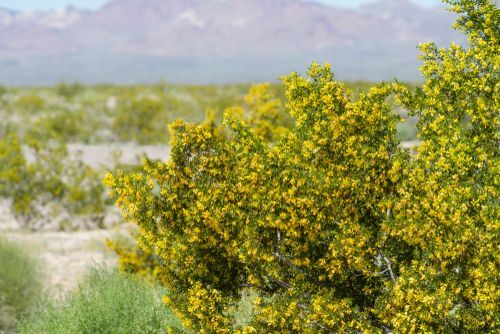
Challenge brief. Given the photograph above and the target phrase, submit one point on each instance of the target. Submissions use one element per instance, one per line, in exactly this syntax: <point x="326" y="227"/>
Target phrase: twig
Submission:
<point x="389" y="267"/>
<point x="279" y="282"/>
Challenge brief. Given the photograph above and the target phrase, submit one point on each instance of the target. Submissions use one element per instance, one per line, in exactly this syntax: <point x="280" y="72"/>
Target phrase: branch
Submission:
<point x="279" y="282"/>
<point x="289" y="263"/>
<point x="389" y="267"/>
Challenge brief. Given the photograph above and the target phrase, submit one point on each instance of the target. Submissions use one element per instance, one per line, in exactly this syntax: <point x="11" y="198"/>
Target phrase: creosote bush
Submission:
<point x="53" y="180"/>
<point x="334" y="226"/>
<point x="142" y="120"/>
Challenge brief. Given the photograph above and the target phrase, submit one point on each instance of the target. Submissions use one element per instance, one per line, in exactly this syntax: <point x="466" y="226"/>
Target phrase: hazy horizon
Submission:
<point x="27" y="5"/>
<point x="217" y="41"/>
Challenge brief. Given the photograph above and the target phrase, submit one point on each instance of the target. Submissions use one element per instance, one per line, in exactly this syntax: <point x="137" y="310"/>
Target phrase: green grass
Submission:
<point x="106" y="302"/>
<point x="20" y="284"/>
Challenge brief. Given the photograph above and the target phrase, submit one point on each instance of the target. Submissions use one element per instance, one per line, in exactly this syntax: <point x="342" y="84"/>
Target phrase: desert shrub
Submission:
<point x="446" y="207"/>
<point x="30" y="103"/>
<point x="137" y="260"/>
<point x="304" y="179"/>
<point x="264" y="112"/>
<point x="334" y="226"/>
<point x="261" y="109"/>
<point x="52" y="184"/>
<point x="68" y="90"/>
<point x="61" y="125"/>
<point x="142" y="119"/>
<point x="12" y="163"/>
<point x="106" y="302"/>
<point x="20" y="283"/>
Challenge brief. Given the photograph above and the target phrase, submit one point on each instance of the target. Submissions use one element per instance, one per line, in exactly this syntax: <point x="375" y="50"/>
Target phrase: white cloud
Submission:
<point x="190" y="17"/>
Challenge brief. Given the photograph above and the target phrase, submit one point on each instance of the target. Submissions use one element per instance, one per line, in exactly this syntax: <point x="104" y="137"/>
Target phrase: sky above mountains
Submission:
<point x="94" y="4"/>
<point x="216" y="41"/>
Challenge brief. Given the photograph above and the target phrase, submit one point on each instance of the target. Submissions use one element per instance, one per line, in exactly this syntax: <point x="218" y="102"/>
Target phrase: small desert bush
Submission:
<point x="19" y="283"/>
<point x="53" y="184"/>
<point x="106" y="302"/>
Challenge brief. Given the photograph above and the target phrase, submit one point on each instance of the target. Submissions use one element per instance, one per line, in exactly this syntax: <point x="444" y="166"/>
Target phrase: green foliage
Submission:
<point x="62" y="125"/>
<point x="107" y="302"/>
<point x="12" y="163"/>
<point x="30" y="103"/>
<point x="68" y="91"/>
<point x="265" y="112"/>
<point x="447" y="203"/>
<point x="103" y="114"/>
<point x="53" y="180"/>
<point x="143" y="120"/>
<point x="20" y="285"/>
<point x="333" y="225"/>
<point x="136" y="260"/>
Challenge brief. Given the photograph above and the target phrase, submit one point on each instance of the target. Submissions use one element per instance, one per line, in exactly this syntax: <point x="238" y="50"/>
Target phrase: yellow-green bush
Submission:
<point x="142" y="120"/>
<point x="333" y="225"/>
<point x="30" y="103"/>
<point x="68" y="91"/>
<point x="446" y="207"/>
<point x="265" y="112"/>
<point x="53" y="178"/>
<point x="12" y="163"/>
<point x="137" y="260"/>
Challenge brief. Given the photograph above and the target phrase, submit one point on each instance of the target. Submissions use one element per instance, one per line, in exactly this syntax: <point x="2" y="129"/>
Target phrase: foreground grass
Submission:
<point x="107" y="302"/>
<point x="20" y="283"/>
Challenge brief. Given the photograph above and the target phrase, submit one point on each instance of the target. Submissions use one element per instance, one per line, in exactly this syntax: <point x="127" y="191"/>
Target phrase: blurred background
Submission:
<point x="214" y="41"/>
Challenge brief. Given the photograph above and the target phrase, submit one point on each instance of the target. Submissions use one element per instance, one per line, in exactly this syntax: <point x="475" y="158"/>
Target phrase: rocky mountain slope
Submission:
<point x="200" y="41"/>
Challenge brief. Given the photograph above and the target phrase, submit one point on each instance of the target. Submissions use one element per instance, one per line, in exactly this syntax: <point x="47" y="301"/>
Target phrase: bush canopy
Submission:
<point x="333" y="225"/>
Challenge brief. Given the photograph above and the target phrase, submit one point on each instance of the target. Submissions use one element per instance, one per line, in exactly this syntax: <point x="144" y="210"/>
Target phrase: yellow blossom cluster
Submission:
<point x="335" y="226"/>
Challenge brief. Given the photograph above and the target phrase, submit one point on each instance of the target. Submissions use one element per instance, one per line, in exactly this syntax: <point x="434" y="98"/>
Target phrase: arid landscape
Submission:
<point x="249" y="166"/>
<point x="213" y="41"/>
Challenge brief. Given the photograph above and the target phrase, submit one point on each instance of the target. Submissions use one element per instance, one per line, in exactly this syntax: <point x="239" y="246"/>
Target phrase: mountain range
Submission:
<point x="216" y="41"/>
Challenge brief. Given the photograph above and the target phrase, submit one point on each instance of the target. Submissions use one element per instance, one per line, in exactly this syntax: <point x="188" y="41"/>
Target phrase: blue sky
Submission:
<point x="91" y="4"/>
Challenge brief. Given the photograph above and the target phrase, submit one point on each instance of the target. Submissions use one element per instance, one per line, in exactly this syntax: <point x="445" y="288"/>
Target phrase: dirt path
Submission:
<point x="66" y="256"/>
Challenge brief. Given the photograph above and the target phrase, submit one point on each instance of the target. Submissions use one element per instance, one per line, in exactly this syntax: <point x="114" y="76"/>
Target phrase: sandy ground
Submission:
<point x="106" y="155"/>
<point x="66" y="256"/>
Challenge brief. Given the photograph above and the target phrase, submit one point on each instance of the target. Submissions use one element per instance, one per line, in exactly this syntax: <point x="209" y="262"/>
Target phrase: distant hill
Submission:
<point x="214" y="41"/>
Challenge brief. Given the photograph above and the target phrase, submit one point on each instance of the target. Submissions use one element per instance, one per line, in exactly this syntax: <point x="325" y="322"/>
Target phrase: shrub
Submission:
<point x="107" y="302"/>
<point x="68" y="90"/>
<point x="62" y="125"/>
<point x="446" y="207"/>
<point x="54" y="180"/>
<point x="334" y="226"/>
<point x="20" y="285"/>
<point x="12" y="163"/>
<point x="30" y="103"/>
<point x="242" y="240"/>
<point x="142" y="120"/>
<point x="265" y="114"/>
<point x="136" y="260"/>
